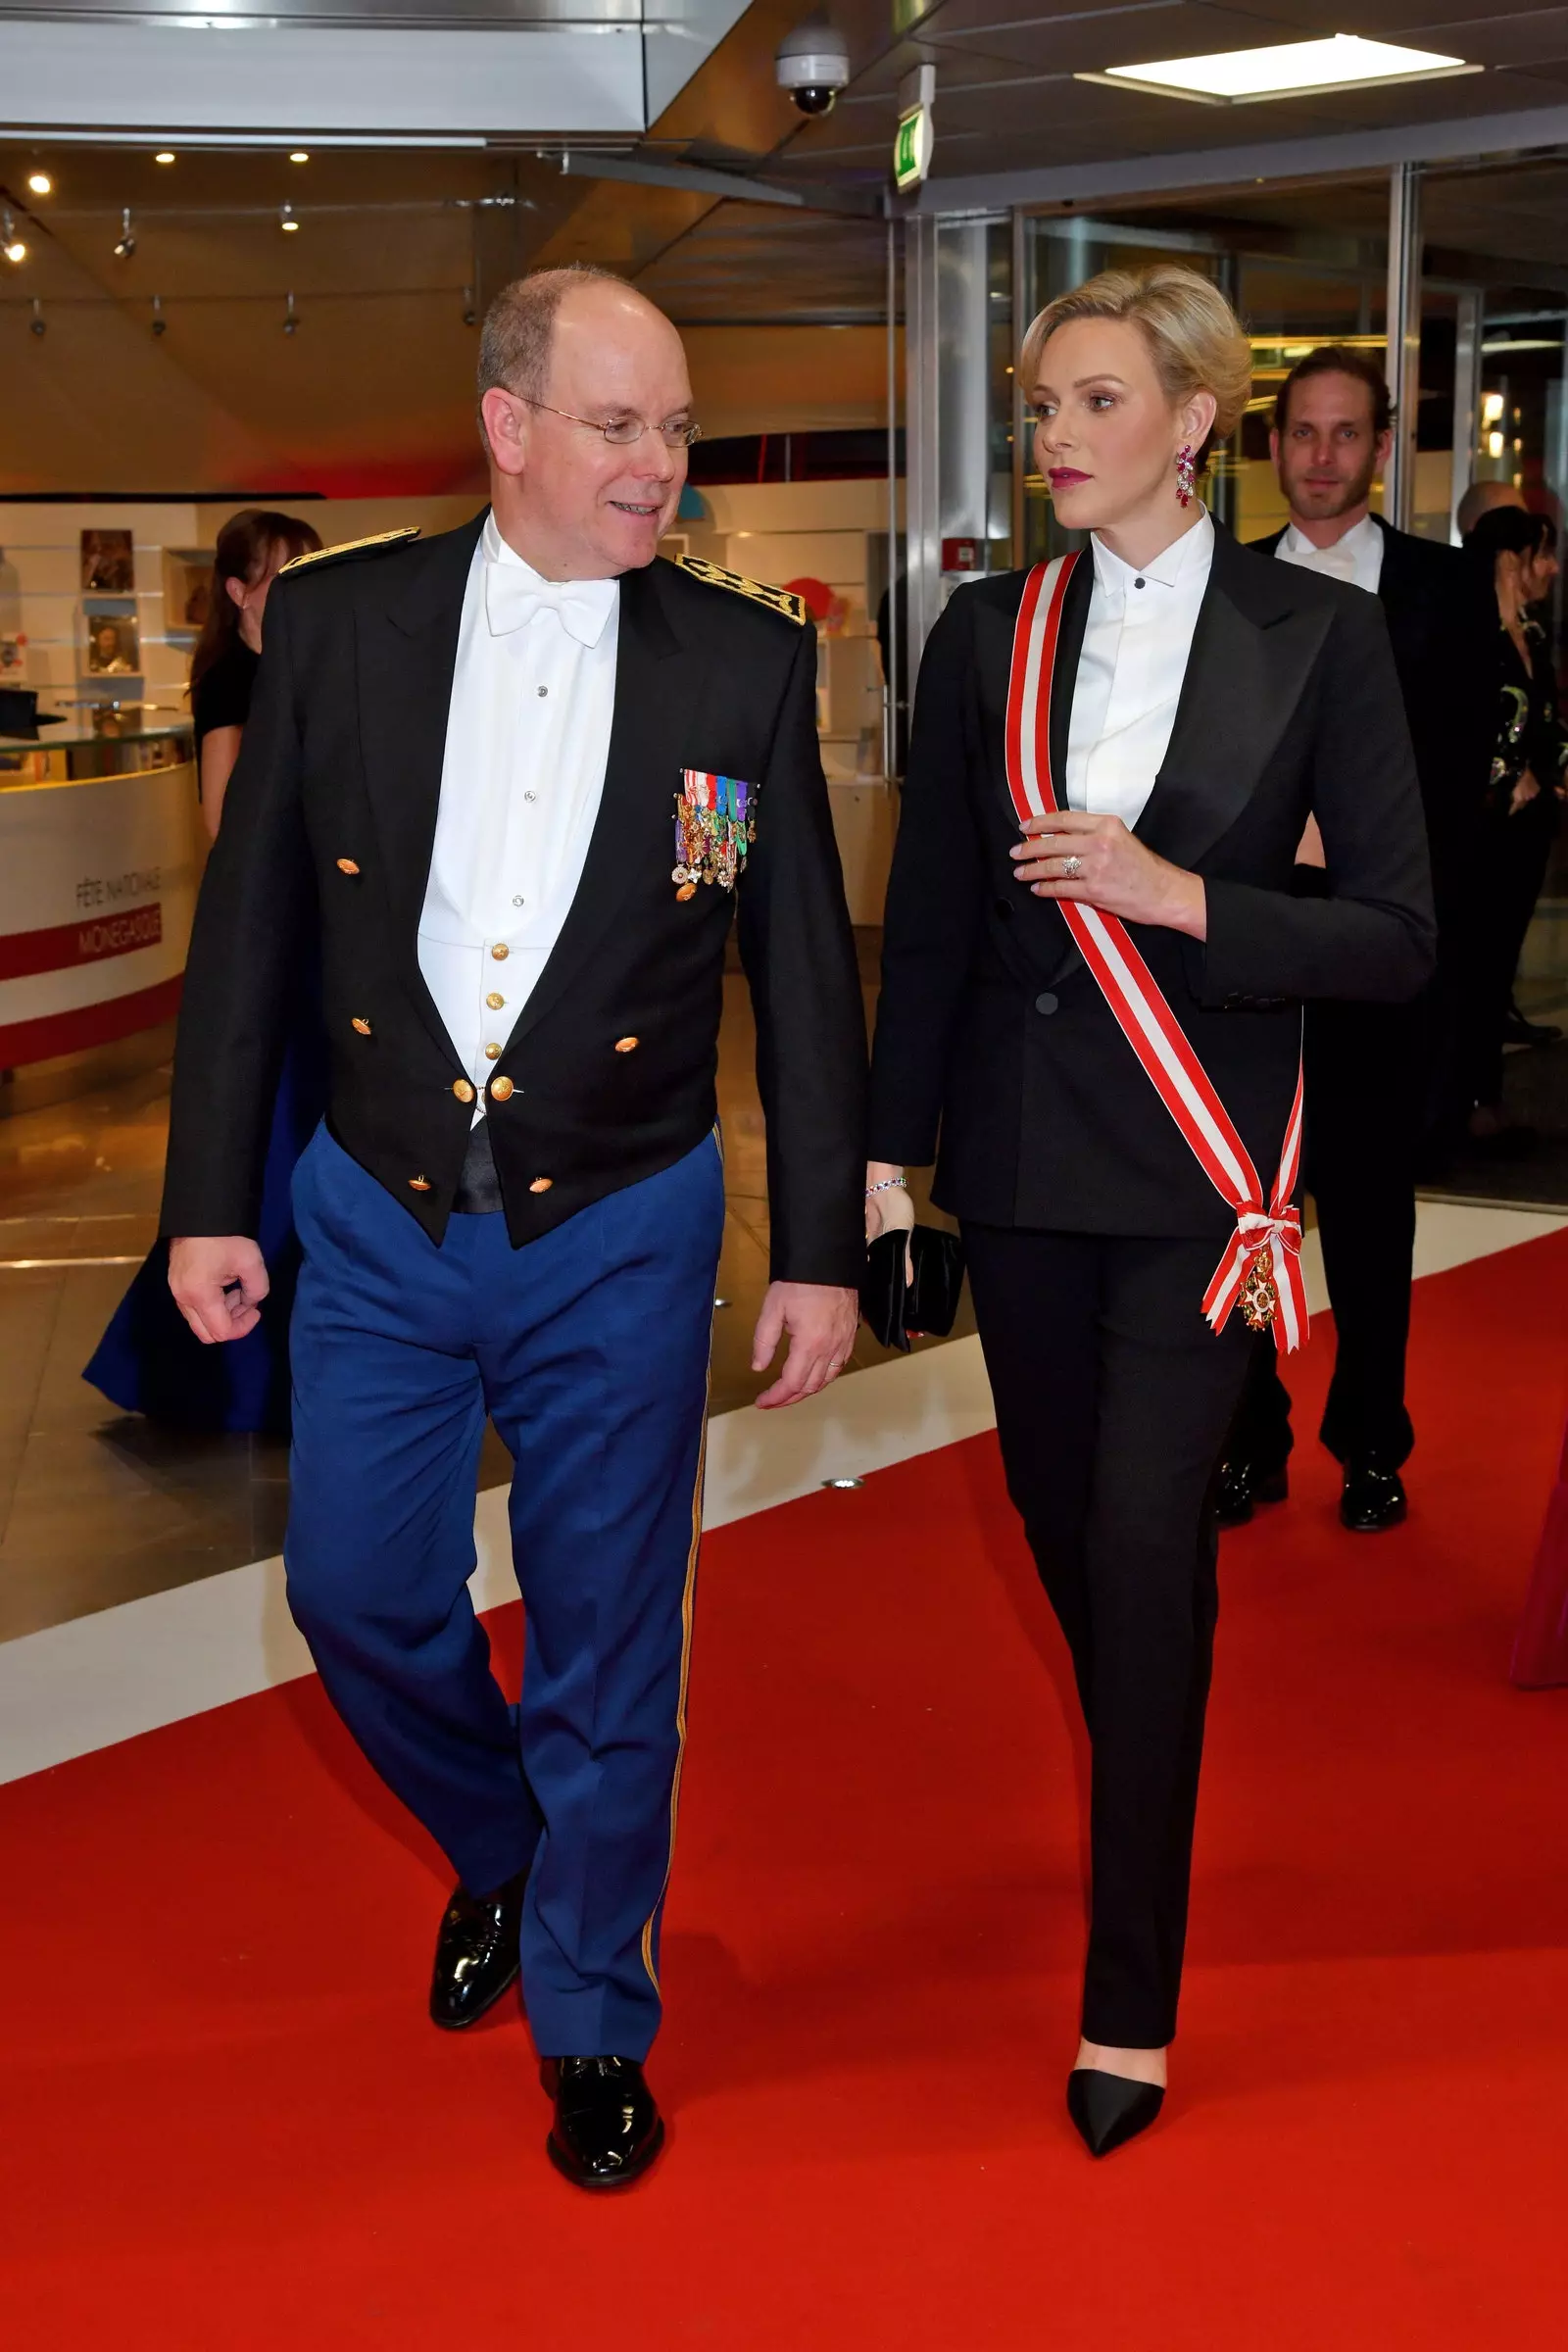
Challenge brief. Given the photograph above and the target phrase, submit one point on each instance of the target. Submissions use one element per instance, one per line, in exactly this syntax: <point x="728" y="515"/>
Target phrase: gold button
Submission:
<point x="495" y="1002"/>
<point x="501" y="1090"/>
<point x="363" y="1027"/>
<point x="541" y="1184"/>
<point x="626" y="1045"/>
<point x="346" y="865"/>
<point x="491" y="1053"/>
<point x="501" y="950"/>
<point x="463" y="1090"/>
<point x="419" y="1183"/>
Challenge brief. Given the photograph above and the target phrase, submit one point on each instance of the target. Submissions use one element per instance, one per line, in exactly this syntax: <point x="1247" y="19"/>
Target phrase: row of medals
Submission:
<point x="708" y="847"/>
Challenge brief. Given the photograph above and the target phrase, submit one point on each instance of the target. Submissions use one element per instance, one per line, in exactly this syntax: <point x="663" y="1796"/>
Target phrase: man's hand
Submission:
<point x="218" y="1284"/>
<point x="820" y="1321"/>
<point x="1112" y="869"/>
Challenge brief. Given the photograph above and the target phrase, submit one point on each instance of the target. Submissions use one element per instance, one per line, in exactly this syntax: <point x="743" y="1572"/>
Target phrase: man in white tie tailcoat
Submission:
<point x="1381" y="1080"/>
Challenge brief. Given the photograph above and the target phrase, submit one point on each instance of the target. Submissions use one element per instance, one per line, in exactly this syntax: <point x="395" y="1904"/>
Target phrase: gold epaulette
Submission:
<point x="777" y="600"/>
<point x="351" y="546"/>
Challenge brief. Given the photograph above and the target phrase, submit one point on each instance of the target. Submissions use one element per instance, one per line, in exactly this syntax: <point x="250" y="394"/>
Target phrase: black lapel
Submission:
<point x="655" y="685"/>
<point x="1253" y="650"/>
<point x="407" y="650"/>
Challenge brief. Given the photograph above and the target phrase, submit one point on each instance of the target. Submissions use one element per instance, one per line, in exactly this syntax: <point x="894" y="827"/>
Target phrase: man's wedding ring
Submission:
<point x="1071" y="867"/>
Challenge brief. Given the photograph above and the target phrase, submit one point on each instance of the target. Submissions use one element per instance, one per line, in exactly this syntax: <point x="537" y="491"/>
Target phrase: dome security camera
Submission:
<point x="813" y="65"/>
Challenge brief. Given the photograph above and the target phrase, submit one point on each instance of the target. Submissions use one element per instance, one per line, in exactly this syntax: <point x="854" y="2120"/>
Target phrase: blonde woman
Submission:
<point x="1090" y="1019"/>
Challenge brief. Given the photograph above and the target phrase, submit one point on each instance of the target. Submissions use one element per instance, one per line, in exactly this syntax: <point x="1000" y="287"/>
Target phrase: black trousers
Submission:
<point x="1113" y="1399"/>
<point x="1368" y="1075"/>
<point x="1512" y="853"/>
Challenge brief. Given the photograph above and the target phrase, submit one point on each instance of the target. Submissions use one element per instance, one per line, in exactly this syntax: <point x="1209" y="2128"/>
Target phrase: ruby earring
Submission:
<point x="1185" y="473"/>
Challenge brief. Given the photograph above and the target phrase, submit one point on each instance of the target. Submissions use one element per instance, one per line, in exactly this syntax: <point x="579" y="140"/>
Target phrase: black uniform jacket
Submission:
<point x="1443" y="627"/>
<point x="330" y="821"/>
<point x="991" y="1026"/>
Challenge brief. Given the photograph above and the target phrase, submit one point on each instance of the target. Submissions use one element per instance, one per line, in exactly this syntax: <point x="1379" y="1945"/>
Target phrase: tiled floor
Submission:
<point x="97" y="1506"/>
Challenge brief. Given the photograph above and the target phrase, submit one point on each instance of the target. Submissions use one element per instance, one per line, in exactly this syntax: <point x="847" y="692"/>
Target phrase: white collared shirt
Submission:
<point x="524" y="773"/>
<point x="1356" y="555"/>
<point x="1137" y="639"/>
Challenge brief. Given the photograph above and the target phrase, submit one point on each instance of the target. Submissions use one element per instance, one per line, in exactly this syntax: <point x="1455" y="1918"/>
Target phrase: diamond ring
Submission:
<point x="1072" y="866"/>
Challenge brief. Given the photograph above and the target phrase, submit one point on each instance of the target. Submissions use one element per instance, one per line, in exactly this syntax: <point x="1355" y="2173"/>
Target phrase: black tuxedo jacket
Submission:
<point x="1443" y="628"/>
<point x="329" y="823"/>
<point x="992" y="1030"/>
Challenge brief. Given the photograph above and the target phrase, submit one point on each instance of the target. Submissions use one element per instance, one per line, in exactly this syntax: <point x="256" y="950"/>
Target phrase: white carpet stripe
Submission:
<point x="83" y="1685"/>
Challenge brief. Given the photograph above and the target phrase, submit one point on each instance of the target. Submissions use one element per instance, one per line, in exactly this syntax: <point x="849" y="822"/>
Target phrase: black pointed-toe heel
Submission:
<point x="1110" y="2109"/>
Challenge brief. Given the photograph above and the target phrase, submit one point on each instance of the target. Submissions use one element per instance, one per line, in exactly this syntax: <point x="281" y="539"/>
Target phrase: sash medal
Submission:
<point x="1261" y="1268"/>
<point x="715" y="826"/>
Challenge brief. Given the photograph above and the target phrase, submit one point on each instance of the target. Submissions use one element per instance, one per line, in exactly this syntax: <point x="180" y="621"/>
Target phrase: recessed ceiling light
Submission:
<point x="40" y="183"/>
<point x="286" y="218"/>
<point x="299" y="155"/>
<point x="165" y="155"/>
<point x="14" y="250"/>
<point x="1285" y="70"/>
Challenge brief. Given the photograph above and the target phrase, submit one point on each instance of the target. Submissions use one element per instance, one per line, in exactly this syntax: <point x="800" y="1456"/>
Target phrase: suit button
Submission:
<point x="1046" y="1002"/>
<point x="463" y="1090"/>
<point x="346" y="865"/>
<point x="360" y="1024"/>
<point x="541" y="1184"/>
<point x="1002" y="908"/>
<point x="501" y="1090"/>
<point x="495" y="1001"/>
<point x="626" y="1045"/>
<point x="491" y="1053"/>
<point x="501" y="950"/>
<point x="419" y="1183"/>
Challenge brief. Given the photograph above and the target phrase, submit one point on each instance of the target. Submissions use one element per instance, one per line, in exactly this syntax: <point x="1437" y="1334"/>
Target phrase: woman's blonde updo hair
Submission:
<point x="1194" y="337"/>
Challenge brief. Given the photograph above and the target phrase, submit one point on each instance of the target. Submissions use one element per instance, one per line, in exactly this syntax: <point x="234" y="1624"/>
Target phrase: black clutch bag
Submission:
<point x="896" y="1309"/>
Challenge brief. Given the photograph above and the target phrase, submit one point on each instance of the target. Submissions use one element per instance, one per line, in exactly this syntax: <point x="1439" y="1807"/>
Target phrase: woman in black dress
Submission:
<point x="1523" y="801"/>
<point x="148" y="1360"/>
<point x="1092" y="978"/>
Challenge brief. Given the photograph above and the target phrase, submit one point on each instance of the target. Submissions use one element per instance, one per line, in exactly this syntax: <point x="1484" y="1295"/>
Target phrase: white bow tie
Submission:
<point x="513" y="598"/>
<point x="1336" y="563"/>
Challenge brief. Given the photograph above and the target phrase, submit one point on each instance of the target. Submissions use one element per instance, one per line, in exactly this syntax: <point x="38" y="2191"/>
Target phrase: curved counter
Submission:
<point x="100" y="853"/>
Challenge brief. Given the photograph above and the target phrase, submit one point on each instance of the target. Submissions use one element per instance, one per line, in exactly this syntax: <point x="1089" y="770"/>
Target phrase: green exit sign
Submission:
<point x="912" y="148"/>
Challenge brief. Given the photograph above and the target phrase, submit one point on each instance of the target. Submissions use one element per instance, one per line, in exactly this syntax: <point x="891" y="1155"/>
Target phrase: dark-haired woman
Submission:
<point x="1517" y="551"/>
<point x="1091" y="986"/>
<point x="148" y="1360"/>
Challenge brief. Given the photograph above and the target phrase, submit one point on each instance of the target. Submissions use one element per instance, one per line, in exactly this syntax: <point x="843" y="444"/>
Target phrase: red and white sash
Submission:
<point x="1261" y="1268"/>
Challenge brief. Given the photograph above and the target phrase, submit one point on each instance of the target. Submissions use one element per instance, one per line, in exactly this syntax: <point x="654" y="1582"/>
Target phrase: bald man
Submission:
<point x="521" y="778"/>
<point x="1479" y="499"/>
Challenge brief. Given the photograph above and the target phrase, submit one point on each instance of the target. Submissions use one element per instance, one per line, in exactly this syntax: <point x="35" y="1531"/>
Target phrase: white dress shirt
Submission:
<point x="1356" y="557"/>
<point x="1137" y="639"/>
<point x="528" y="738"/>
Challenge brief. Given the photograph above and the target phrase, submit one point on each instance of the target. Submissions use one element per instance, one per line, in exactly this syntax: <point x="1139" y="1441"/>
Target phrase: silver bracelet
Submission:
<point x="887" y="1184"/>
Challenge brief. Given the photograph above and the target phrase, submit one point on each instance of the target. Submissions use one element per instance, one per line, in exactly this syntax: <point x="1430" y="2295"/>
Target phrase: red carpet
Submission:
<point x="227" y="2127"/>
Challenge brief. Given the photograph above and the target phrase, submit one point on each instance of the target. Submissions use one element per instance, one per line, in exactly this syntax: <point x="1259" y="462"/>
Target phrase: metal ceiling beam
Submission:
<point x="1218" y="166"/>
<point x="733" y="187"/>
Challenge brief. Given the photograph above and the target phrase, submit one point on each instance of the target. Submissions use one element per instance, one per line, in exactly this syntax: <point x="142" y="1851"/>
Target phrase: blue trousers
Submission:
<point x="589" y="1350"/>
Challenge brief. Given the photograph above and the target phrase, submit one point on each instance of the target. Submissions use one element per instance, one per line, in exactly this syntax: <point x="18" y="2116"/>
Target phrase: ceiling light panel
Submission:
<point x="1285" y="70"/>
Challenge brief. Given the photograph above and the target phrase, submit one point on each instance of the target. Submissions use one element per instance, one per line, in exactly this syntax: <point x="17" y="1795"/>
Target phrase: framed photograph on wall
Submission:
<point x="187" y="589"/>
<point x="113" y="644"/>
<point x="108" y="563"/>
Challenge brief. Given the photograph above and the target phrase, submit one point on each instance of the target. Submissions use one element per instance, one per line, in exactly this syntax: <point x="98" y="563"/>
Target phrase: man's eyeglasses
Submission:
<point x="621" y="432"/>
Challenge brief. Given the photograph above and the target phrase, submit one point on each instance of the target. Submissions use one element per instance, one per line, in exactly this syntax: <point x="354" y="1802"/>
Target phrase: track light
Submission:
<point x="286" y="218"/>
<point x="471" y="317"/>
<point x="127" y="237"/>
<point x="38" y="325"/>
<point x="291" y="319"/>
<point x="160" y="322"/>
<point x="40" y="183"/>
<point x="11" y="245"/>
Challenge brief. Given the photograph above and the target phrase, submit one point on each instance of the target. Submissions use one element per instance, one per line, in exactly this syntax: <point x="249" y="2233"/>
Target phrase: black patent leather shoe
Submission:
<point x="1242" y="1485"/>
<point x="1110" y="2109"/>
<point x="1372" y="1498"/>
<point x="476" y="1953"/>
<point x="607" y="2131"/>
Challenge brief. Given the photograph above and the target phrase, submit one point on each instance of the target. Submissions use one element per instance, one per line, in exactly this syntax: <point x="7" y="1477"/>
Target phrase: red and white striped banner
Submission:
<point x="1261" y="1268"/>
